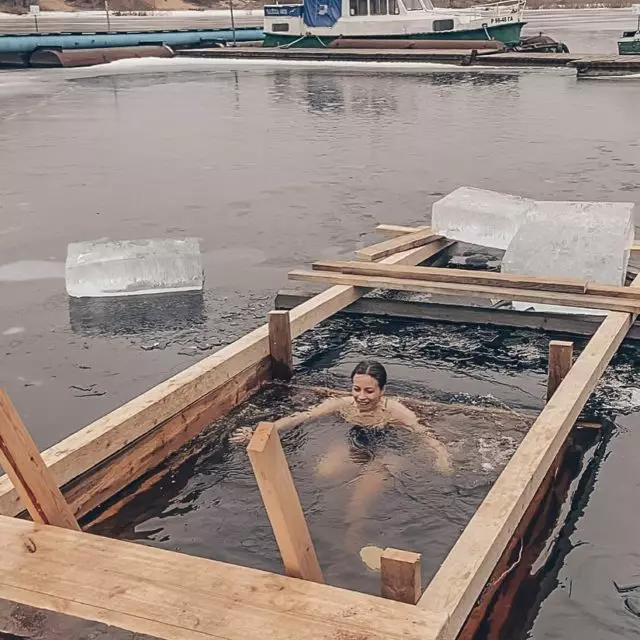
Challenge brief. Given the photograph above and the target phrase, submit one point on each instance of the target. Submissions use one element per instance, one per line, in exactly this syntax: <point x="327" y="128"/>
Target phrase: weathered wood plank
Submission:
<point x="396" y="245"/>
<point x="280" y="345"/>
<point x="473" y="291"/>
<point x="21" y="461"/>
<point x="400" y="576"/>
<point x="179" y="597"/>
<point x="458" y="276"/>
<point x="467" y="568"/>
<point x="560" y="361"/>
<point x="282" y="503"/>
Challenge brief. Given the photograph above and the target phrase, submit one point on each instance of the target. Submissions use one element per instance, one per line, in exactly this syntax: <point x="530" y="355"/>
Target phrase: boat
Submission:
<point x="629" y="44"/>
<point x="319" y="23"/>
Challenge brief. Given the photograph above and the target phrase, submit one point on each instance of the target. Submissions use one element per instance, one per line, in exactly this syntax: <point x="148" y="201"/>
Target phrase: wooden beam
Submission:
<point x="280" y="345"/>
<point x="283" y="504"/>
<point x="85" y="449"/>
<point x="457" y="276"/>
<point x="396" y="245"/>
<point x="174" y="596"/>
<point x="635" y="247"/>
<point x="21" y="461"/>
<point x="465" y="276"/>
<point x="560" y="361"/>
<point x="473" y="291"/>
<point x="396" y="230"/>
<point x="329" y="302"/>
<point x="571" y="323"/>
<point x="400" y="576"/>
<point x="466" y="570"/>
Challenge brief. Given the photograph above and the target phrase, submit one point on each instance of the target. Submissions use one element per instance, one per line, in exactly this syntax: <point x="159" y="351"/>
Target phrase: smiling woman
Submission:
<point x="374" y="417"/>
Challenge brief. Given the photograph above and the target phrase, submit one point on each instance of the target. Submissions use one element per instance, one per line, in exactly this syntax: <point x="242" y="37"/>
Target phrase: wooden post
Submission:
<point x="280" y="344"/>
<point x="23" y="464"/>
<point x="400" y="576"/>
<point x="560" y="361"/>
<point x="283" y="504"/>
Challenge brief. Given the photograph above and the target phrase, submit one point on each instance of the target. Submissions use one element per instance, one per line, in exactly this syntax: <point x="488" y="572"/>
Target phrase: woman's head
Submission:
<point x="368" y="381"/>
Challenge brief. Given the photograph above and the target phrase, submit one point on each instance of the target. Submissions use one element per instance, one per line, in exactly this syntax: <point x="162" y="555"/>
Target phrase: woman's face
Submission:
<point x="366" y="392"/>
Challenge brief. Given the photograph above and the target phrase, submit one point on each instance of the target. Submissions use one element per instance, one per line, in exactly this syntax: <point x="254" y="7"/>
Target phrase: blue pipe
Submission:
<point x="182" y="38"/>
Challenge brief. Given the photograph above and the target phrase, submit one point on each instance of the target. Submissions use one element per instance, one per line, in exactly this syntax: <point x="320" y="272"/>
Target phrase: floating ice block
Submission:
<point x="584" y="240"/>
<point x="133" y="267"/>
<point x="477" y="216"/>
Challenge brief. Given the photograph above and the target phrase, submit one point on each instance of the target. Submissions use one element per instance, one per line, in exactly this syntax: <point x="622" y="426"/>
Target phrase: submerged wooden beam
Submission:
<point x="283" y="504"/>
<point x="572" y="323"/>
<point x="461" y="578"/>
<point x="21" y="461"/>
<point x="400" y="575"/>
<point x="560" y="361"/>
<point x="171" y="401"/>
<point x="280" y="345"/>
<point x="395" y="245"/>
<point x="174" y="596"/>
<point x="472" y="291"/>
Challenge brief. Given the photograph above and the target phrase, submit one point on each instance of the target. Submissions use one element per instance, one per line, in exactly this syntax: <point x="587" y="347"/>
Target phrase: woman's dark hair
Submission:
<point x="371" y="368"/>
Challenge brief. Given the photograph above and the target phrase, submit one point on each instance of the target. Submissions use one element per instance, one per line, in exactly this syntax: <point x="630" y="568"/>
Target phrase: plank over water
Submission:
<point x="473" y="291"/>
<point x="178" y="597"/>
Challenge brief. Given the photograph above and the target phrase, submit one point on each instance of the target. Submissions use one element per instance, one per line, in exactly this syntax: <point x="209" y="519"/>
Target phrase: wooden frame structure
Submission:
<point x="50" y="564"/>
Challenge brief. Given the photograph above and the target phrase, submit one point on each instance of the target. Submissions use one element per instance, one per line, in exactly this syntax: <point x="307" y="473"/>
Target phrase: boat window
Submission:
<point x="443" y="25"/>
<point x="378" y="7"/>
<point x="280" y="26"/>
<point x="358" y="8"/>
<point x="413" y="5"/>
<point x="394" y="9"/>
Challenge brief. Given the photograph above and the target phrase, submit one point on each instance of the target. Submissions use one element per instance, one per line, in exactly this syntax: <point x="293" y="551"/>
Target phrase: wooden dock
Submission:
<point x="586" y="64"/>
<point x="51" y="564"/>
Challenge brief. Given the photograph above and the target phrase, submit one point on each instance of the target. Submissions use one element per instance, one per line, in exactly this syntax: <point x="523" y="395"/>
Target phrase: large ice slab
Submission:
<point x="133" y="267"/>
<point x="481" y="217"/>
<point x="584" y="240"/>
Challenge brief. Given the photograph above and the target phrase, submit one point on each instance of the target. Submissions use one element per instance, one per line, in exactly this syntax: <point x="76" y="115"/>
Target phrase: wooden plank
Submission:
<point x="21" y="461"/>
<point x="100" y="440"/>
<point x="473" y="291"/>
<point x="459" y="276"/>
<point x="467" y="568"/>
<point x="635" y="248"/>
<point x="396" y="230"/>
<point x="283" y="504"/>
<point x="280" y="345"/>
<point x="178" y="597"/>
<point x="396" y="245"/>
<point x="572" y="323"/>
<point x="400" y="576"/>
<point x="465" y="276"/>
<point x="329" y="302"/>
<point x="560" y="361"/>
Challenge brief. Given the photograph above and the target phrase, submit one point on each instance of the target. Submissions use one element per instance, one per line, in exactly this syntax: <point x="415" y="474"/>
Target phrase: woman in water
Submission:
<point x="372" y="414"/>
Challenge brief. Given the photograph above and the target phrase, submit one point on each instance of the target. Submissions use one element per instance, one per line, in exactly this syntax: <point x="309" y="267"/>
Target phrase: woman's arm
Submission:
<point x="410" y="420"/>
<point x="326" y="407"/>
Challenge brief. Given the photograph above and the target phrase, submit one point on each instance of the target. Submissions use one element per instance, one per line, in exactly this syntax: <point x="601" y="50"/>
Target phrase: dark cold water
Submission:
<point x="273" y="168"/>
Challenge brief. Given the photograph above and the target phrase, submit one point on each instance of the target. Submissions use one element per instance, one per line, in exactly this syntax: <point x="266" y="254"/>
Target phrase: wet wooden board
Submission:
<point x="174" y="596"/>
<point x="396" y="245"/>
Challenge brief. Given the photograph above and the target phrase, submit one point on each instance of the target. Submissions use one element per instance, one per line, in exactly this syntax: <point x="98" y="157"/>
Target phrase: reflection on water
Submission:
<point x="168" y="312"/>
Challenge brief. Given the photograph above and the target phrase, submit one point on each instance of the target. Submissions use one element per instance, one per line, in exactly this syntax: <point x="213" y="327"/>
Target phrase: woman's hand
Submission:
<point x="241" y="435"/>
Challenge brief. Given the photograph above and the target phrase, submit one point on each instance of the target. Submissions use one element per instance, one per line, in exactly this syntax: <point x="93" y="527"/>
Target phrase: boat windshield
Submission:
<point x="413" y="5"/>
